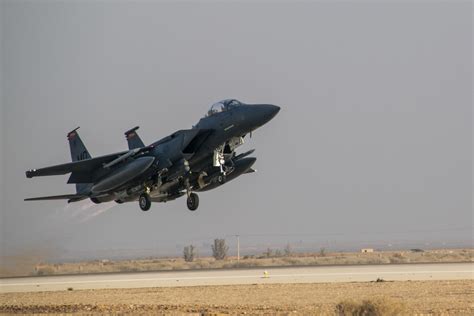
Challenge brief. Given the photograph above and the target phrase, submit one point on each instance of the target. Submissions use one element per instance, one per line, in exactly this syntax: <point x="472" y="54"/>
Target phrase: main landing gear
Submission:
<point x="144" y="201"/>
<point x="192" y="201"/>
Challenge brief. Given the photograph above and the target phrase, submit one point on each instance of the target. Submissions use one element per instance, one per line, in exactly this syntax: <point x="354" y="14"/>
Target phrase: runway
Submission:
<point x="321" y="274"/>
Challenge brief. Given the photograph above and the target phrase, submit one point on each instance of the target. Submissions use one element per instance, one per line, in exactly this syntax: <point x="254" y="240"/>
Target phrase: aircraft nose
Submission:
<point x="265" y="112"/>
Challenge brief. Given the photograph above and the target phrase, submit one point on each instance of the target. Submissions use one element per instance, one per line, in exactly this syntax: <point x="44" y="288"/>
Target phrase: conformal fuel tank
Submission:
<point x="123" y="174"/>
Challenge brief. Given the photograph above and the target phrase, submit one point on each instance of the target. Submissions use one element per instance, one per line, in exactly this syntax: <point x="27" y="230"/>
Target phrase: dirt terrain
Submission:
<point x="408" y="297"/>
<point x="15" y="267"/>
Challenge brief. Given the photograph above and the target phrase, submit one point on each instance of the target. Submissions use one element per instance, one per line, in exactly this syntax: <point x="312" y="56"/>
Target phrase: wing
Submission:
<point x="188" y="137"/>
<point x="198" y="137"/>
<point x="75" y="197"/>
<point x="82" y="166"/>
<point x="85" y="171"/>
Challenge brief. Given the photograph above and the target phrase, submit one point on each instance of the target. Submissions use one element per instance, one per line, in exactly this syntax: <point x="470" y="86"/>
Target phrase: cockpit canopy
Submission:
<point x="222" y="106"/>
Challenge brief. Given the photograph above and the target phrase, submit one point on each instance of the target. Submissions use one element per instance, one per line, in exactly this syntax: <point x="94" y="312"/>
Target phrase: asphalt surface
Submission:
<point x="326" y="274"/>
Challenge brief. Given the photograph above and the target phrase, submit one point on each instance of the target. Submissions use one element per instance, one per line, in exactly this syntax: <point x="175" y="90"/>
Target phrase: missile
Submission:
<point x="121" y="158"/>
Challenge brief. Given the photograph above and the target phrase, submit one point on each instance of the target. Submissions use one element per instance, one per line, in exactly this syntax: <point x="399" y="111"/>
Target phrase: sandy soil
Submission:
<point x="416" y="297"/>
<point x="13" y="266"/>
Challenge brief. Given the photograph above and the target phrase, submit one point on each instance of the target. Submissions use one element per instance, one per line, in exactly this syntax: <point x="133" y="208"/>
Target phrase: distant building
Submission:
<point x="366" y="250"/>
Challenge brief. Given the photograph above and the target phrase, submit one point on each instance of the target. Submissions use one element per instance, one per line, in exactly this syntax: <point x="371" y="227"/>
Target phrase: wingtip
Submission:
<point x="30" y="173"/>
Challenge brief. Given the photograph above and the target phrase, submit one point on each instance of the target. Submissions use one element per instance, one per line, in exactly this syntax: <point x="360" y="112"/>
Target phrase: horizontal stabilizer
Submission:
<point x="74" y="197"/>
<point x="77" y="199"/>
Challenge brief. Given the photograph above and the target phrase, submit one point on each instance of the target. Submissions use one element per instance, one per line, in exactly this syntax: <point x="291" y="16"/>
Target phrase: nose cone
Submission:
<point x="263" y="113"/>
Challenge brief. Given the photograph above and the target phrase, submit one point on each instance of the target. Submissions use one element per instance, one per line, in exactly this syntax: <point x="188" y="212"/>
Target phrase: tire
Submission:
<point x="221" y="179"/>
<point x="144" y="202"/>
<point x="192" y="202"/>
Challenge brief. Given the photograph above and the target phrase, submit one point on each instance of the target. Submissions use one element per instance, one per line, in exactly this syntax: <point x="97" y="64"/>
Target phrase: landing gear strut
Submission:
<point x="192" y="201"/>
<point x="144" y="201"/>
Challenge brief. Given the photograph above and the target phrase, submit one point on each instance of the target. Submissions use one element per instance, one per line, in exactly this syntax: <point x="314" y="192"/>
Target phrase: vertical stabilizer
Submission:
<point x="78" y="152"/>
<point x="134" y="141"/>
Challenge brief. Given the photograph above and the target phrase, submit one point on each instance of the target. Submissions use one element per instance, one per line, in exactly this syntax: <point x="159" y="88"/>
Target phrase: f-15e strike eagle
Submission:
<point x="185" y="162"/>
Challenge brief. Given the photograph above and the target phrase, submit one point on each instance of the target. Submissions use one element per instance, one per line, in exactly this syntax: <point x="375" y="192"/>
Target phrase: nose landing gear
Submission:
<point x="221" y="178"/>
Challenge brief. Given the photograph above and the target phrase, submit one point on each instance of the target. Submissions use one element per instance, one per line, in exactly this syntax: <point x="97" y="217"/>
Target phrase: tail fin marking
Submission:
<point x="134" y="141"/>
<point x="78" y="152"/>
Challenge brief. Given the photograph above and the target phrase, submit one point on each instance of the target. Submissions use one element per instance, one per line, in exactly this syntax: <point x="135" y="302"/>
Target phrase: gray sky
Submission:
<point x="372" y="145"/>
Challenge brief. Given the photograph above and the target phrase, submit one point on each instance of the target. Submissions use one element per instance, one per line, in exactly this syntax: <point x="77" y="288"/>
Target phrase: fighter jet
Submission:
<point x="183" y="163"/>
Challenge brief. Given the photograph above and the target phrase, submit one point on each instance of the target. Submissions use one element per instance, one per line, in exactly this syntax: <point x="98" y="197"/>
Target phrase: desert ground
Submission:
<point x="27" y="266"/>
<point x="401" y="297"/>
<point x="381" y="297"/>
<point x="268" y="275"/>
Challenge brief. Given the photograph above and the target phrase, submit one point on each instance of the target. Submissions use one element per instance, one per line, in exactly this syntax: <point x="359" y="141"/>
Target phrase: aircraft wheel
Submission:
<point x="221" y="179"/>
<point x="144" y="202"/>
<point x="193" y="201"/>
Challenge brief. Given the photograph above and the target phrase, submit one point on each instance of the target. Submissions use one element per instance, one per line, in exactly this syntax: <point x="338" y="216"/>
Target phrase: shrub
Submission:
<point x="268" y="253"/>
<point x="46" y="270"/>
<point x="202" y="264"/>
<point x="293" y="261"/>
<point x="398" y="258"/>
<point x="374" y="307"/>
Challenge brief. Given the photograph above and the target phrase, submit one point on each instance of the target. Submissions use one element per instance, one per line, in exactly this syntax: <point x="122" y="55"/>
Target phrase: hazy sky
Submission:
<point x="373" y="142"/>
